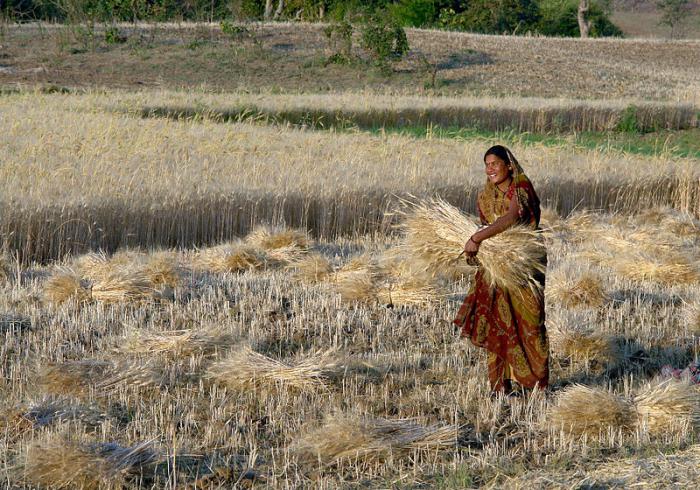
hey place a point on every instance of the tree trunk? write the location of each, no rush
(268, 9)
(584, 25)
(280, 8)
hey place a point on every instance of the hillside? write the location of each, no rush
(291, 57)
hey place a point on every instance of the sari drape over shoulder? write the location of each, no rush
(508, 324)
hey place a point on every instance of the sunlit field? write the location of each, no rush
(227, 265)
(78, 176)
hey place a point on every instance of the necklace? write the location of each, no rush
(507, 187)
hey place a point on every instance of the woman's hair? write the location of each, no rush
(500, 151)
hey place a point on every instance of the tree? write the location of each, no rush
(673, 13)
(584, 24)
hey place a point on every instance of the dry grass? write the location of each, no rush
(65, 285)
(669, 269)
(582, 410)
(231, 257)
(571, 292)
(667, 406)
(73, 377)
(272, 238)
(176, 344)
(580, 344)
(312, 268)
(67, 464)
(435, 233)
(145, 183)
(365, 438)
(247, 369)
(122, 285)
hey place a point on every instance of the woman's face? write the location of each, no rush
(497, 170)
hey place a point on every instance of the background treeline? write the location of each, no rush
(549, 17)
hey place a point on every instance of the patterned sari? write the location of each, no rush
(508, 324)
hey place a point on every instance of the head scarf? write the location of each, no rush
(493, 202)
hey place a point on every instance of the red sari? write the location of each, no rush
(508, 324)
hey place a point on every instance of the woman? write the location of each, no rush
(508, 324)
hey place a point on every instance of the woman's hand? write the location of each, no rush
(471, 247)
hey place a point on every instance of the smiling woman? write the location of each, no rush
(508, 324)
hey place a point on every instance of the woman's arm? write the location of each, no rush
(498, 226)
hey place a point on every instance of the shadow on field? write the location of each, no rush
(52, 232)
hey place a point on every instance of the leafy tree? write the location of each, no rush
(499, 17)
(559, 18)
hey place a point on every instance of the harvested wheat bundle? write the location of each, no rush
(63, 285)
(344, 437)
(592, 411)
(45, 412)
(131, 374)
(72, 377)
(245, 369)
(668, 406)
(230, 257)
(570, 292)
(357, 286)
(270, 238)
(279, 257)
(312, 268)
(435, 232)
(176, 343)
(409, 293)
(668, 269)
(585, 345)
(163, 269)
(62, 463)
(122, 285)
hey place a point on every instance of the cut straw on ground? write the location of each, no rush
(352, 438)
(246, 369)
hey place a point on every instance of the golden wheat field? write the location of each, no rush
(86, 171)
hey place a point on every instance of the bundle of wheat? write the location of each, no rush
(62, 463)
(592, 411)
(44, 412)
(570, 292)
(270, 238)
(63, 285)
(668, 406)
(435, 233)
(93, 265)
(163, 269)
(122, 284)
(409, 293)
(72, 377)
(582, 344)
(230, 257)
(349, 437)
(245, 368)
(176, 343)
(131, 374)
(312, 268)
(357, 286)
(663, 269)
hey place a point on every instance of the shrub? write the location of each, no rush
(507, 16)
(384, 39)
(339, 35)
